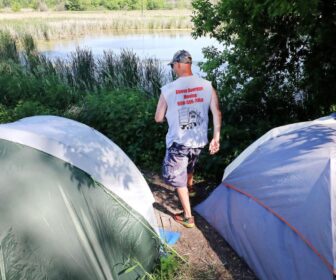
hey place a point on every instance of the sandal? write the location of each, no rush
(187, 222)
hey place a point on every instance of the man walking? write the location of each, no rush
(186, 103)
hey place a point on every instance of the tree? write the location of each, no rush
(277, 65)
(75, 5)
(280, 57)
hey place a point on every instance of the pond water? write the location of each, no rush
(159, 44)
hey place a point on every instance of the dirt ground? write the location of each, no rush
(209, 255)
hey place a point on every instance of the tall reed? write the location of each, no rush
(82, 71)
(8, 47)
(153, 76)
(64, 25)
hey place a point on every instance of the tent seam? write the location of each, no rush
(324, 260)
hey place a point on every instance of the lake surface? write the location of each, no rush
(159, 44)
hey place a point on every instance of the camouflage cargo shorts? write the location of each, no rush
(179, 161)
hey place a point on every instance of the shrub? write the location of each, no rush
(74, 5)
(127, 117)
(16, 7)
(5, 115)
(154, 4)
(31, 108)
(37, 84)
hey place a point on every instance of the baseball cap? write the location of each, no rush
(181, 56)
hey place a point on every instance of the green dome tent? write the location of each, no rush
(72, 205)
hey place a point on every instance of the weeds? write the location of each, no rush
(8, 47)
(83, 69)
(83, 72)
(168, 268)
(65, 25)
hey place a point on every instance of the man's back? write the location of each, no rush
(188, 100)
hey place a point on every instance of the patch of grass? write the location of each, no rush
(169, 267)
(60, 25)
(174, 267)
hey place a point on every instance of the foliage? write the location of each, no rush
(82, 72)
(83, 68)
(154, 4)
(277, 65)
(280, 55)
(82, 5)
(112, 95)
(4, 114)
(16, 7)
(168, 268)
(126, 117)
(116, 94)
(8, 47)
(31, 108)
(127, 71)
(79, 24)
(75, 5)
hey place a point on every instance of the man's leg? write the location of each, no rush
(175, 173)
(187, 220)
(192, 159)
(190, 179)
(183, 195)
(190, 182)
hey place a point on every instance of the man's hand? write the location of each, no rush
(214, 146)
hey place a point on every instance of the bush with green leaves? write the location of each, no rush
(127, 117)
(280, 56)
(5, 114)
(154, 4)
(277, 65)
(16, 7)
(75, 5)
(17, 85)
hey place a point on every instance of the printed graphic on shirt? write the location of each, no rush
(189, 96)
(189, 118)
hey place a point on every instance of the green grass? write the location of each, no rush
(60, 25)
(81, 71)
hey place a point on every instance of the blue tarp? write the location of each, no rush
(170, 237)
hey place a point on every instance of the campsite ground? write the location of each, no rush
(208, 254)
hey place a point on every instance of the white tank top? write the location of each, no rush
(188, 99)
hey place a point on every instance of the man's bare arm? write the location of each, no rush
(161, 109)
(217, 121)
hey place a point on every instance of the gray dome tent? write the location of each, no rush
(276, 203)
(72, 205)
